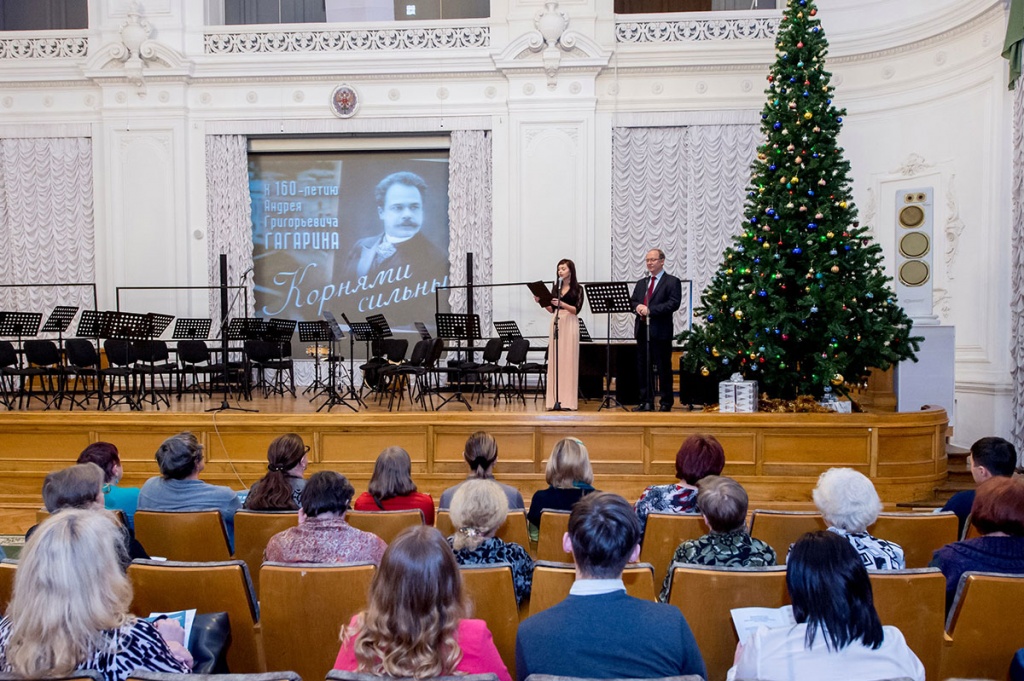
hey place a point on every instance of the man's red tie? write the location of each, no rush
(650, 290)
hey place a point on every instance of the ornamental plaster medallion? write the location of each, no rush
(394, 95)
(252, 97)
(298, 96)
(164, 96)
(344, 101)
(575, 87)
(205, 98)
(442, 93)
(702, 87)
(490, 92)
(8, 102)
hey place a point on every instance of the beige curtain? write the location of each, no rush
(228, 220)
(469, 219)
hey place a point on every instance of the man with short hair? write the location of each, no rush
(322, 535)
(655, 298)
(599, 631)
(990, 457)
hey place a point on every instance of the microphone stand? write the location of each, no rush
(558, 308)
(650, 362)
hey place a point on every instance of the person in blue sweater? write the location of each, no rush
(599, 631)
(990, 457)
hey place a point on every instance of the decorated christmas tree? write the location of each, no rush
(801, 302)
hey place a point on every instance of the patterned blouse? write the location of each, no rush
(665, 499)
(726, 549)
(875, 553)
(136, 645)
(494, 550)
(324, 540)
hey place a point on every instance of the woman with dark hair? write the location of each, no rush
(391, 487)
(279, 489)
(124, 499)
(698, 457)
(414, 624)
(564, 372)
(480, 453)
(838, 634)
(998, 514)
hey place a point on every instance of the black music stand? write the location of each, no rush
(606, 298)
(357, 331)
(191, 329)
(239, 329)
(507, 332)
(91, 324)
(315, 332)
(423, 330)
(585, 336)
(128, 327)
(457, 327)
(335, 398)
(58, 322)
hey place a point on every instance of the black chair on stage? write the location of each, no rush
(45, 369)
(538, 369)
(119, 377)
(84, 365)
(195, 362)
(395, 378)
(512, 370)
(273, 356)
(153, 360)
(387, 351)
(8, 374)
(488, 371)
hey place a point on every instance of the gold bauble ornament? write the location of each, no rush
(798, 160)
(842, 204)
(808, 115)
(794, 179)
(724, 297)
(704, 371)
(714, 352)
(831, 234)
(738, 314)
(837, 379)
(767, 245)
(835, 269)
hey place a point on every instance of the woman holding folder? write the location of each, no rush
(564, 339)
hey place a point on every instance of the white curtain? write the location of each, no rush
(228, 220)
(680, 189)
(46, 222)
(1017, 269)
(469, 219)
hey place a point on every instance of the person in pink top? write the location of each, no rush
(414, 625)
(391, 487)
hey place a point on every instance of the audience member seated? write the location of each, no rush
(990, 457)
(480, 453)
(179, 488)
(599, 631)
(569, 478)
(81, 487)
(723, 502)
(838, 634)
(699, 456)
(849, 503)
(998, 514)
(391, 487)
(322, 535)
(414, 624)
(280, 488)
(124, 499)
(479, 508)
(69, 610)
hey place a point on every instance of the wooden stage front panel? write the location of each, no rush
(777, 457)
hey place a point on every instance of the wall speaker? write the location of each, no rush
(915, 247)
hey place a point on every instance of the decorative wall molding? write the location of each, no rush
(696, 30)
(358, 40)
(552, 48)
(69, 46)
(954, 226)
(913, 164)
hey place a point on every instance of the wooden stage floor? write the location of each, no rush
(777, 457)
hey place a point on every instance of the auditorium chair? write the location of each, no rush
(553, 526)
(983, 630)
(488, 372)
(140, 675)
(552, 581)
(262, 356)
(385, 524)
(8, 373)
(303, 607)
(253, 530)
(339, 675)
(152, 361)
(919, 534)
(512, 372)
(913, 601)
(84, 365)
(196, 362)
(512, 530)
(120, 382)
(8, 568)
(663, 535)
(183, 535)
(219, 586)
(781, 529)
(706, 594)
(492, 596)
(45, 368)
(396, 379)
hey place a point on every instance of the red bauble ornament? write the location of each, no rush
(800, 44)
(813, 12)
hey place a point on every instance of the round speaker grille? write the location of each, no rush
(911, 217)
(914, 245)
(913, 273)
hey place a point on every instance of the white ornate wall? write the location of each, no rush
(922, 81)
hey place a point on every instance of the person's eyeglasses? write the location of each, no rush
(652, 259)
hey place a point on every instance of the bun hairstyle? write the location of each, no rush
(481, 452)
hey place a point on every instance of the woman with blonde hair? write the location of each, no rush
(569, 477)
(478, 512)
(281, 487)
(391, 487)
(69, 610)
(481, 452)
(414, 624)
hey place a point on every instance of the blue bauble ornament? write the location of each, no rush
(797, 251)
(777, 125)
(811, 225)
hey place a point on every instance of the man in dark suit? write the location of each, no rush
(654, 299)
